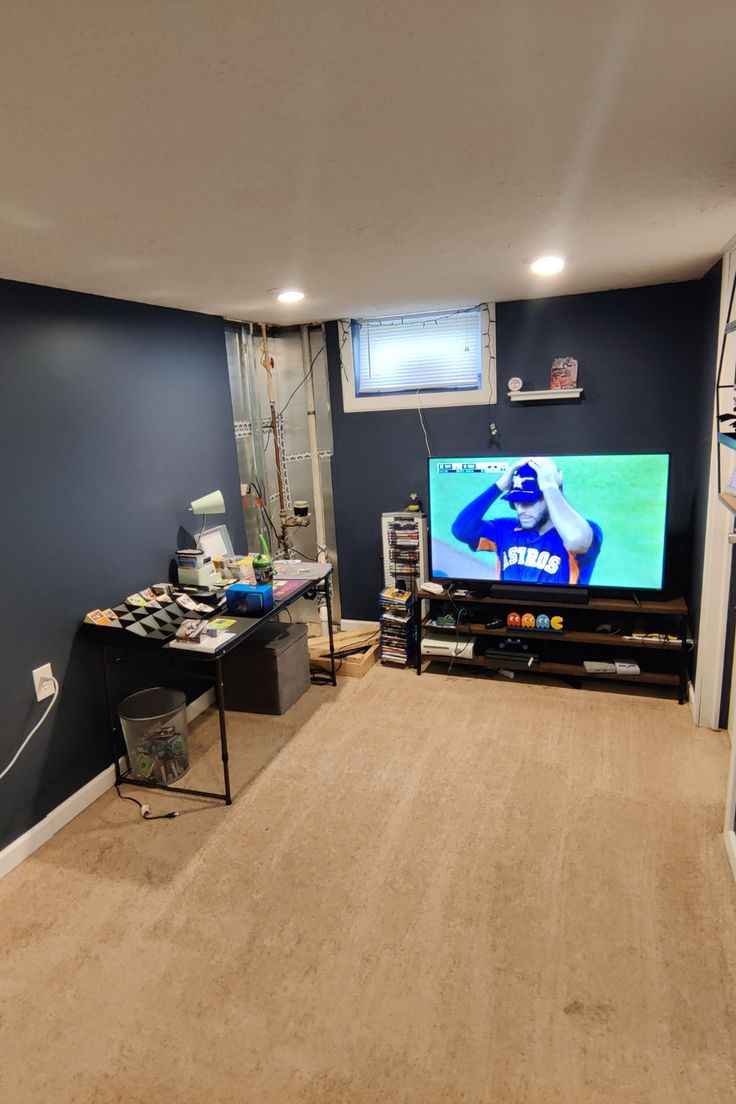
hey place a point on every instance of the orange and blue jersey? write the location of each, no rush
(528, 556)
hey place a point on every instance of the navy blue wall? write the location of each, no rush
(113, 417)
(646, 365)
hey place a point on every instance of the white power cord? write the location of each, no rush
(145, 809)
(35, 728)
(421, 419)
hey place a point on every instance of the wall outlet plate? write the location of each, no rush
(42, 677)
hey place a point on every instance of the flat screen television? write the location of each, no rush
(595, 521)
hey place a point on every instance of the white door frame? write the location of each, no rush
(711, 637)
(718, 551)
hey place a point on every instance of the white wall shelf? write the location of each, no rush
(545, 396)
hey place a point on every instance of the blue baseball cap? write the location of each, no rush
(524, 485)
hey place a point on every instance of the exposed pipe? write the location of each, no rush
(319, 503)
(267, 362)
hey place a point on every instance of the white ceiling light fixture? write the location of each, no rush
(290, 295)
(548, 266)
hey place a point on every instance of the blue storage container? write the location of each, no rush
(246, 599)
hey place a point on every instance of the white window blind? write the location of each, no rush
(439, 352)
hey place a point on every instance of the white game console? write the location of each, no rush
(599, 667)
(627, 668)
(458, 646)
(431, 588)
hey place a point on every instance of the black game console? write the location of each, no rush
(497, 657)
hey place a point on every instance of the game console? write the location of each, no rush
(599, 667)
(494, 656)
(460, 646)
(432, 588)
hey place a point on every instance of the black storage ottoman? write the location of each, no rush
(269, 671)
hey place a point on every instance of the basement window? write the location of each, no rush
(441, 359)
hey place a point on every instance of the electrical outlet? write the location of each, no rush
(42, 677)
(244, 489)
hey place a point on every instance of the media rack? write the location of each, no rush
(561, 654)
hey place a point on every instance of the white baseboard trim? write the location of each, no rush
(21, 848)
(347, 624)
(730, 841)
(691, 700)
(204, 701)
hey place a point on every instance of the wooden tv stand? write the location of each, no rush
(662, 661)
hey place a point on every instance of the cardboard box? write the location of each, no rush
(352, 666)
(355, 664)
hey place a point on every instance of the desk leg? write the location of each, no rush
(111, 717)
(328, 599)
(220, 695)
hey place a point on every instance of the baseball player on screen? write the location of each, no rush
(547, 542)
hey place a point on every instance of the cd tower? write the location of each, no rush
(404, 542)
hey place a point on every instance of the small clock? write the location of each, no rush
(515, 384)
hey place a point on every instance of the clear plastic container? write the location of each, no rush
(154, 724)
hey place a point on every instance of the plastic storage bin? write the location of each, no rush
(246, 600)
(269, 671)
(154, 725)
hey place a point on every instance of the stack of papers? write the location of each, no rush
(299, 569)
(204, 644)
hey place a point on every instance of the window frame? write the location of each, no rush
(423, 399)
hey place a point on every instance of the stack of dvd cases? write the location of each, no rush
(397, 626)
(403, 543)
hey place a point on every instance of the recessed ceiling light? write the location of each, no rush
(290, 296)
(548, 266)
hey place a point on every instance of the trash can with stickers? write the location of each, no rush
(154, 724)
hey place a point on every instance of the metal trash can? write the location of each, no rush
(154, 724)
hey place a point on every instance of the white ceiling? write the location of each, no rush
(384, 156)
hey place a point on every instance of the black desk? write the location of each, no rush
(154, 655)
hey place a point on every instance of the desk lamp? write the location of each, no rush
(212, 503)
(200, 572)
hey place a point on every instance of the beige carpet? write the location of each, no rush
(428, 890)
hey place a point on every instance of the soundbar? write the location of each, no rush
(541, 594)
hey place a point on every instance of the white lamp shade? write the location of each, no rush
(212, 503)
